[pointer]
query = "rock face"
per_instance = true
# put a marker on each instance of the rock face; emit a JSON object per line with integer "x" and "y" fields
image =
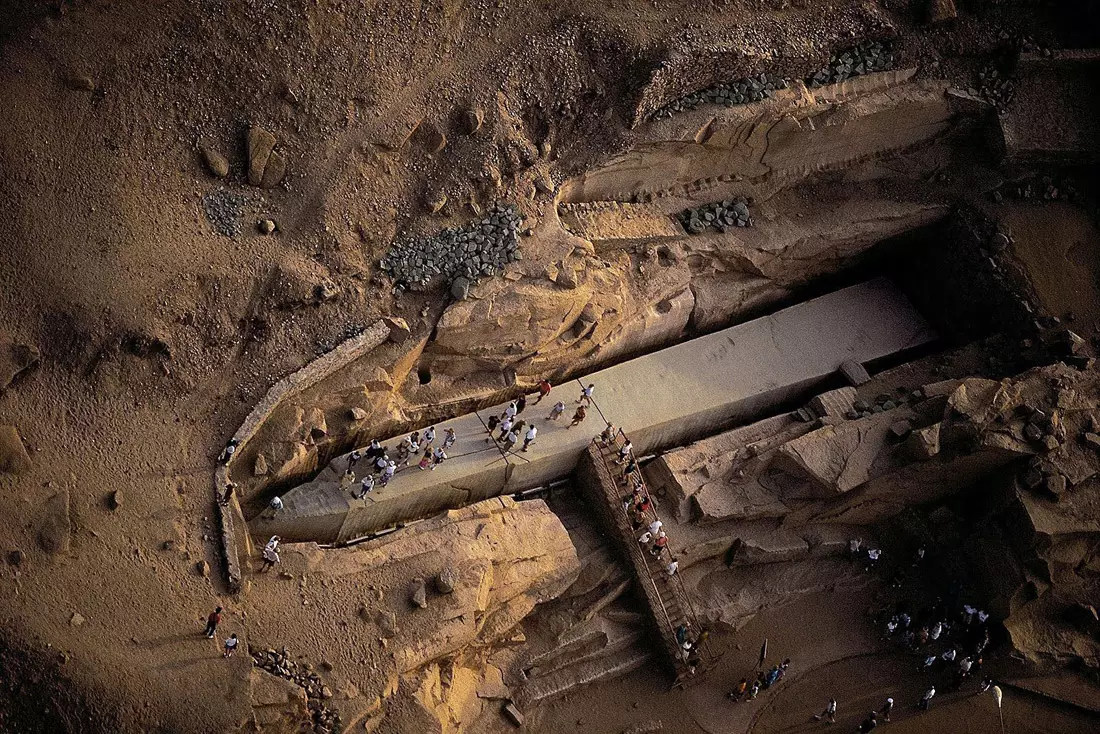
{"x": 838, "y": 477}
{"x": 512, "y": 557}
{"x": 266, "y": 167}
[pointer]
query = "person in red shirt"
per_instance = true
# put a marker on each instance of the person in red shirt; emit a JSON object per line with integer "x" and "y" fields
{"x": 544, "y": 390}
{"x": 212, "y": 622}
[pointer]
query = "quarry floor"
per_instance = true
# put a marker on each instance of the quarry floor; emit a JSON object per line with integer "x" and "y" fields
{"x": 835, "y": 651}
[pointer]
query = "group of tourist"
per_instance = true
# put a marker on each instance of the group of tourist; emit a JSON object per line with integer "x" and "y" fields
{"x": 949, "y": 645}
{"x": 765, "y": 679}
{"x": 507, "y": 429}
{"x": 638, "y": 505}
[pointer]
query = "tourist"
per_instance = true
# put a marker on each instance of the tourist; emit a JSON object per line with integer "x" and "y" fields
{"x": 873, "y": 555}
{"x": 659, "y": 544}
{"x": 375, "y": 449}
{"x": 347, "y": 479}
{"x": 982, "y": 616}
{"x": 868, "y": 724}
{"x": 449, "y": 438}
{"x": 521, "y": 403}
{"x": 388, "y": 472}
{"x": 270, "y": 553}
{"x": 438, "y": 457}
{"x": 926, "y": 699}
{"x": 630, "y": 468}
{"x": 936, "y": 631}
{"x": 643, "y": 504}
{"x": 510, "y": 440}
{"x": 755, "y": 689}
{"x": 625, "y": 450}
{"x": 425, "y": 459}
{"x": 682, "y": 633}
{"x": 771, "y": 677}
{"x": 230, "y": 646}
{"x": 381, "y": 463}
{"x": 275, "y": 504}
{"x": 672, "y": 568}
{"x": 738, "y": 691}
{"x": 578, "y": 416}
{"x": 353, "y": 458}
{"x": 964, "y": 669}
{"x": 212, "y": 622}
{"x": 228, "y": 493}
{"x": 529, "y": 437}
{"x": 887, "y": 708}
{"x": 365, "y": 486}
{"x": 607, "y": 435}
{"x": 505, "y": 427}
{"x": 655, "y": 526}
{"x": 829, "y": 714}
{"x": 404, "y": 451}
{"x": 229, "y": 450}
{"x": 544, "y": 390}
{"x": 429, "y": 436}
{"x": 854, "y": 546}
{"x": 556, "y": 411}
{"x": 510, "y": 410}
{"x": 491, "y": 425}
{"x": 645, "y": 537}
{"x": 928, "y": 663}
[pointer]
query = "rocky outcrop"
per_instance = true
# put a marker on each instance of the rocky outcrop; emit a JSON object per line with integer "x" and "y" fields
{"x": 423, "y": 668}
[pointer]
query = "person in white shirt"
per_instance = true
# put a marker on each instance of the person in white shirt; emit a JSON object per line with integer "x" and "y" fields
{"x": 624, "y": 450}
{"x": 230, "y": 646}
{"x": 672, "y": 568}
{"x": 449, "y": 438}
{"x": 271, "y": 553}
{"x": 655, "y": 527}
{"x": 926, "y": 699}
{"x": 556, "y": 411}
{"x": 276, "y": 503}
{"x": 366, "y": 485}
{"x": 644, "y": 538}
{"x": 510, "y": 410}
{"x": 438, "y": 457}
{"x": 429, "y": 436}
{"x": 586, "y": 394}
{"x": 949, "y": 655}
{"x": 505, "y": 428}
{"x": 529, "y": 437}
{"x": 388, "y": 472}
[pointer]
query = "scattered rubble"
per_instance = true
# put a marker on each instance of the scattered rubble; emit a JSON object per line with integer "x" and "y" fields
{"x": 223, "y": 209}
{"x": 741, "y": 91}
{"x": 279, "y": 663}
{"x": 719, "y": 215}
{"x": 857, "y": 61}
{"x": 459, "y": 255}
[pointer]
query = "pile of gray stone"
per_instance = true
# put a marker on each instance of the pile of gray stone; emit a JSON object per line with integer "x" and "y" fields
{"x": 862, "y": 59}
{"x": 223, "y": 209}
{"x": 458, "y": 255}
{"x": 742, "y": 91}
{"x": 719, "y": 215}
{"x": 325, "y": 720}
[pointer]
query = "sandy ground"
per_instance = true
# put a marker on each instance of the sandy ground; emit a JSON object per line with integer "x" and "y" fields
{"x": 835, "y": 651}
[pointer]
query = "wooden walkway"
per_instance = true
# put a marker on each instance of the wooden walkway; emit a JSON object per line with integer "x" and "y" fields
{"x": 603, "y": 481}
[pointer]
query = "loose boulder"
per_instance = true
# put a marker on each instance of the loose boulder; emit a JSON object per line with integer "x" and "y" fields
{"x": 419, "y": 594}
{"x": 13, "y": 455}
{"x": 14, "y": 360}
{"x": 266, "y": 167}
{"x": 216, "y": 163}
{"x": 446, "y": 580}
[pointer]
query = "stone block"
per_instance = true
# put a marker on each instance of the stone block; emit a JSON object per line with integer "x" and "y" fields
{"x": 854, "y": 372}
